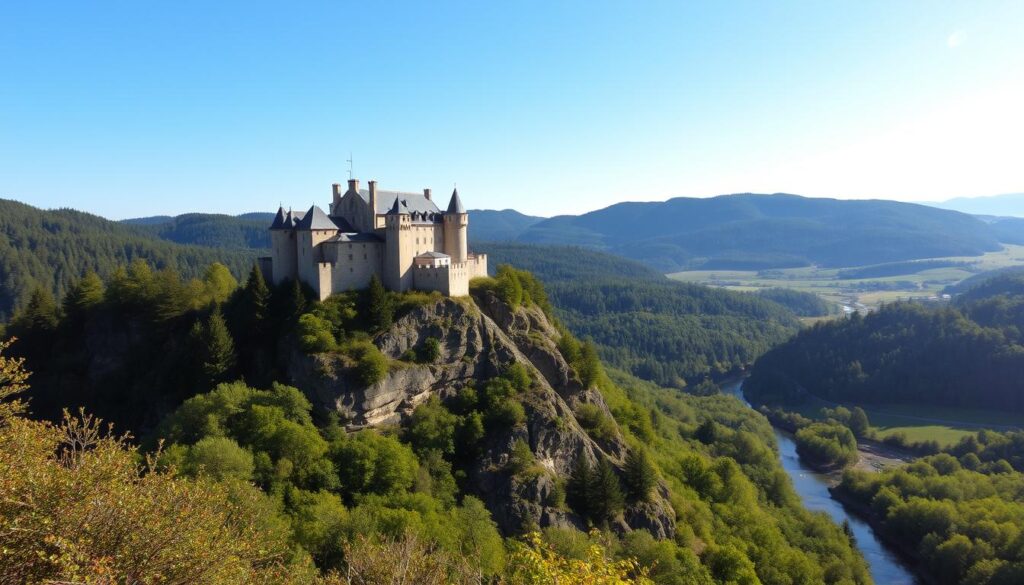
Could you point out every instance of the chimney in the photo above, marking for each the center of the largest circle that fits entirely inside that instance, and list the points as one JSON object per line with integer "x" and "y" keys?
{"x": 353, "y": 185}
{"x": 336, "y": 191}
{"x": 373, "y": 197}
{"x": 426, "y": 193}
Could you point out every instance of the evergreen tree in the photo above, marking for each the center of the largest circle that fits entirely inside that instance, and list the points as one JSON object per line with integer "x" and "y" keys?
{"x": 215, "y": 349}
{"x": 380, "y": 309}
{"x": 39, "y": 317}
{"x": 256, "y": 296}
{"x": 84, "y": 295}
{"x": 640, "y": 475}
{"x": 576, "y": 489}
{"x": 604, "y": 494}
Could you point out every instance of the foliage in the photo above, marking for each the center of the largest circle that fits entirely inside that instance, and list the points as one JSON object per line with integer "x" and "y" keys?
{"x": 371, "y": 364}
{"x": 51, "y": 249}
{"x": 655, "y": 328}
{"x": 75, "y": 507}
{"x": 430, "y": 351}
{"x": 826, "y": 445}
{"x": 13, "y": 379}
{"x": 380, "y": 307}
{"x": 803, "y": 304}
{"x": 963, "y": 525}
{"x": 905, "y": 353}
{"x": 640, "y": 476}
{"x": 534, "y": 561}
{"x": 214, "y": 349}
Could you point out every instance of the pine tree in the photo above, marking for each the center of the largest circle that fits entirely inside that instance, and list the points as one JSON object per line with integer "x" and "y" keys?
{"x": 604, "y": 494}
{"x": 640, "y": 475}
{"x": 257, "y": 295}
{"x": 215, "y": 349}
{"x": 40, "y": 314}
{"x": 379, "y": 307}
{"x": 84, "y": 295}
{"x": 576, "y": 489}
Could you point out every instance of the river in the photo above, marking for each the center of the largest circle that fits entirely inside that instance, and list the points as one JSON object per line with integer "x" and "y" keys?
{"x": 885, "y": 566}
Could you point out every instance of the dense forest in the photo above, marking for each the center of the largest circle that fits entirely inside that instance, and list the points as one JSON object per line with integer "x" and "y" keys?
{"x": 657, "y": 329}
{"x": 55, "y": 248}
{"x": 969, "y": 354}
{"x": 660, "y": 330}
{"x": 753, "y": 232}
{"x": 248, "y": 481}
{"x": 207, "y": 229}
{"x": 960, "y": 518}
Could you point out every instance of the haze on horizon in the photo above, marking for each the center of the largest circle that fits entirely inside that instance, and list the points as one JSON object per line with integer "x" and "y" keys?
{"x": 127, "y": 109}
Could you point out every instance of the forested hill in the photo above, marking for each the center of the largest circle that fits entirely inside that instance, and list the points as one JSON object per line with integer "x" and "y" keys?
{"x": 208, "y": 229}
{"x": 52, "y": 248}
{"x": 966, "y": 355}
{"x": 249, "y": 230}
{"x": 657, "y": 329}
{"x": 769, "y": 231}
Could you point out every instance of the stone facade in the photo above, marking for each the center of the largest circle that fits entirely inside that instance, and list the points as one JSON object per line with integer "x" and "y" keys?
{"x": 403, "y": 238}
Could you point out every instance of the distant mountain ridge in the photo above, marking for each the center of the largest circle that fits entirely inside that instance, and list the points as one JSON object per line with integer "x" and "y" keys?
{"x": 1006, "y": 204}
{"x": 751, "y": 231}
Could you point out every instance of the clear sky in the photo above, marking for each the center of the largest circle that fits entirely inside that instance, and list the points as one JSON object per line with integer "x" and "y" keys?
{"x": 143, "y": 108}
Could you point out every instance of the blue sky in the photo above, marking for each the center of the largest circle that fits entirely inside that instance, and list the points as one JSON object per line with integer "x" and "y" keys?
{"x": 141, "y": 108}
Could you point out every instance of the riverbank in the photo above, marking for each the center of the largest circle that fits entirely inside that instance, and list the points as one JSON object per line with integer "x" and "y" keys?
{"x": 886, "y": 566}
{"x": 906, "y": 554}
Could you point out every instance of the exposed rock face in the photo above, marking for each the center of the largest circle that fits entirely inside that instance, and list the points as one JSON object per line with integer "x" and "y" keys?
{"x": 478, "y": 341}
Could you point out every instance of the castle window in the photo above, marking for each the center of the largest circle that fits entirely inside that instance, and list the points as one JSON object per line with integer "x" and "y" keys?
{"x": 350, "y": 257}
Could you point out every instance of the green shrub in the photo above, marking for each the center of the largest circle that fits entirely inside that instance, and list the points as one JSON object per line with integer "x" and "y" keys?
{"x": 371, "y": 364}
{"x": 430, "y": 351}
{"x": 595, "y": 422}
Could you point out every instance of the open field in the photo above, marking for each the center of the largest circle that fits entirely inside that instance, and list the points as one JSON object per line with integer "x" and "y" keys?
{"x": 860, "y": 292}
{"x": 924, "y": 423}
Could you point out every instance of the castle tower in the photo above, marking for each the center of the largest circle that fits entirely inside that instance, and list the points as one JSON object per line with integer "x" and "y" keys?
{"x": 399, "y": 252}
{"x": 456, "y": 227}
{"x": 283, "y": 248}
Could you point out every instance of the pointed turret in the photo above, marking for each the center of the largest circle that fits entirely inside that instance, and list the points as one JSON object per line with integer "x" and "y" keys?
{"x": 455, "y": 205}
{"x": 278, "y": 223}
{"x": 316, "y": 219}
{"x": 398, "y": 208}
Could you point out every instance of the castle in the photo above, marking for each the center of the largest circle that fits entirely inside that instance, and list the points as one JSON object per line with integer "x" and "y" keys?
{"x": 403, "y": 238}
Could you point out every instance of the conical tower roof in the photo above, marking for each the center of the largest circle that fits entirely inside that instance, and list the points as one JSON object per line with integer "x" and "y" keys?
{"x": 455, "y": 205}
{"x": 278, "y": 223}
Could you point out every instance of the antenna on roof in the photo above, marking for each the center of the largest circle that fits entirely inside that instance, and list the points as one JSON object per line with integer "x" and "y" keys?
{"x": 350, "y": 165}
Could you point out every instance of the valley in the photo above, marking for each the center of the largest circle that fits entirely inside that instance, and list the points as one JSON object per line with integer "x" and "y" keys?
{"x": 835, "y": 285}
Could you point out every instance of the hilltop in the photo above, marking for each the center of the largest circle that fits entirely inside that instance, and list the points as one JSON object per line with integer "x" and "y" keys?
{"x": 749, "y": 231}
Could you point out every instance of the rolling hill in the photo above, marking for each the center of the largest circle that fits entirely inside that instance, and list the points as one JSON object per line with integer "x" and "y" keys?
{"x": 52, "y": 248}
{"x": 749, "y": 231}
{"x": 249, "y": 230}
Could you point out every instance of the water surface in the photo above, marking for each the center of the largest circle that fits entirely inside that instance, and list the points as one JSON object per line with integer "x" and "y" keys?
{"x": 885, "y": 566}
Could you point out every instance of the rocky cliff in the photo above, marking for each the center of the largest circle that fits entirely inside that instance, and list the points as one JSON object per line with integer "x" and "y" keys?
{"x": 479, "y": 338}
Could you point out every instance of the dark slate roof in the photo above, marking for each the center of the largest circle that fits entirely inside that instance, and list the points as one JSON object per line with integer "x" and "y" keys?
{"x": 278, "y": 223}
{"x": 292, "y": 219}
{"x": 455, "y": 205}
{"x": 364, "y": 237}
{"x": 413, "y": 201}
{"x": 397, "y": 208}
{"x": 316, "y": 219}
